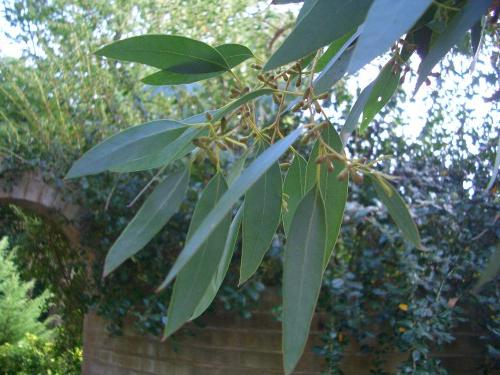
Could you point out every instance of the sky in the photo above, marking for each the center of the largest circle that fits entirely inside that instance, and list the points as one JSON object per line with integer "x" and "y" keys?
{"x": 414, "y": 107}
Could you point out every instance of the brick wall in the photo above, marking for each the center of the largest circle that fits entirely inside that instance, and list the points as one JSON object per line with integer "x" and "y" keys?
{"x": 224, "y": 344}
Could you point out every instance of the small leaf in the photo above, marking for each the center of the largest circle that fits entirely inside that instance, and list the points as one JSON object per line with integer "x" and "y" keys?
{"x": 233, "y": 54}
{"x": 164, "y": 154}
{"x": 249, "y": 176}
{"x": 236, "y": 168}
{"x": 218, "y": 278}
{"x": 357, "y": 109}
{"x": 261, "y": 217}
{"x": 333, "y": 49}
{"x": 319, "y": 23}
{"x": 396, "y": 208}
{"x": 158, "y": 208}
{"x": 386, "y": 21}
{"x": 451, "y": 35}
{"x": 383, "y": 89}
{"x": 235, "y": 104}
{"x": 333, "y": 191}
{"x": 126, "y": 146}
{"x": 175, "y": 53}
{"x": 490, "y": 271}
{"x": 294, "y": 189}
{"x": 302, "y": 273}
{"x": 336, "y": 67}
{"x": 193, "y": 280}
{"x": 496, "y": 167}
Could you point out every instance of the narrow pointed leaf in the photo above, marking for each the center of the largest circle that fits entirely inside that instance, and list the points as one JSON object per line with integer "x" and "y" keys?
{"x": 397, "y": 209}
{"x": 294, "y": 189}
{"x": 193, "y": 280}
{"x": 176, "y": 53}
{"x": 332, "y": 50}
{"x": 233, "y": 54}
{"x": 127, "y": 145}
{"x": 319, "y": 23}
{"x": 337, "y": 66}
{"x": 158, "y": 208}
{"x": 249, "y": 176}
{"x": 222, "y": 268}
{"x": 496, "y": 167}
{"x": 235, "y": 104}
{"x": 236, "y": 168}
{"x": 164, "y": 154}
{"x": 382, "y": 91}
{"x": 302, "y": 273}
{"x": 352, "y": 120}
{"x": 451, "y": 35}
{"x": 333, "y": 191}
{"x": 261, "y": 217}
{"x": 386, "y": 21}
{"x": 491, "y": 270}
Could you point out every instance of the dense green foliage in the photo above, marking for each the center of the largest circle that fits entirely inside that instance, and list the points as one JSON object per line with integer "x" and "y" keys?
{"x": 33, "y": 355}
{"x": 19, "y": 312}
{"x": 371, "y": 264}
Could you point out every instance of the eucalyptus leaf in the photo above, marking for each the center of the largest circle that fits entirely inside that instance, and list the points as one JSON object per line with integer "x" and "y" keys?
{"x": 233, "y": 54}
{"x": 294, "y": 189}
{"x": 175, "y": 53}
{"x": 397, "y": 209}
{"x": 218, "y": 278}
{"x": 337, "y": 66}
{"x": 261, "y": 217}
{"x": 386, "y": 21}
{"x": 333, "y": 190}
{"x": 319, "y": 23}
{"x": 451, "y": 35}
{"x": 302, "y": 274}
{"x": 333, "y": 49}
{"x": 158, "y": 208}
{"x": 247, "y": 178}
{"x": 192, "y": 281}
{"x": 357, "y": 109}
{"x": 126, "y": 146}
{"x": 382, "y": 91}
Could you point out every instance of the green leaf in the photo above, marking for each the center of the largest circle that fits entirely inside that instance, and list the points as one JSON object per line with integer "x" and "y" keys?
{"x": 158, "y": 208}
{"x": 294, "y": 189}
{"x": 126, "y": 146}
{"x": 235, "y": 104}
{"x": 490, "y": 271}
{"x": 249, "y": 176}
{"x": 383, "y": 89}
{"x": 386, "y": 21}
{"x": 164, "y": 154}
{"x": 175, "y": 53}
{"x": 451, "y": 35}
{"x": 336, "y": 67}
{"x": 261, "y": 217}
{"x": 396, "y": 208}
{"x": 237, "y": 167}
{"x": 233, "y": 54}
{"x": 319, "y": 23}
{"x": 333, "y": 191}
{"x": 357, "y": 109}
{"x": 193, "y": 280}
{"x": 302, "y": 273}
{"x": 496, "y": 167}
{"x": 222, "y": 268}
{"x": 332, "y": 50}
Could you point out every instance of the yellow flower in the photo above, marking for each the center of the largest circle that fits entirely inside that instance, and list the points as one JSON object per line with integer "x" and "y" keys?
{"x": 403, "y": 306}
{"x": 402, "y": 330}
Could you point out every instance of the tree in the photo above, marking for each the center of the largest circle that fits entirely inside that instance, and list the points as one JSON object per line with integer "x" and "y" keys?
{"x": 19, "y": 312}
{"x": 314, "y": 190}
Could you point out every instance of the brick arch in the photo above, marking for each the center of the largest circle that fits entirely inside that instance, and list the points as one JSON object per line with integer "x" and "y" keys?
{"x": 31, "y": 192}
